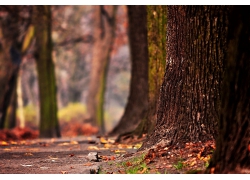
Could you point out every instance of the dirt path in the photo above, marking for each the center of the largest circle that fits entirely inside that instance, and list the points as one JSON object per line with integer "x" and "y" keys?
{"x": 54, "y": 156}
{"x": 91, "y": 155}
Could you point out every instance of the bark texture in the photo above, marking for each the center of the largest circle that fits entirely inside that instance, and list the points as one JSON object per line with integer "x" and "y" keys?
{"x": 49, "y": 125}
{"x": 104, "y": 25}
{"x": 232, "y": 154}
{"x": 156, "y": 24}
{"x": 190, "y": 97}
{"x": 137, "y": 104}
{"x": 10, "y": 56}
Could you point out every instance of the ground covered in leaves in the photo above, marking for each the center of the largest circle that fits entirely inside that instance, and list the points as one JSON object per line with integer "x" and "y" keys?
{"x": 113, "y": 157}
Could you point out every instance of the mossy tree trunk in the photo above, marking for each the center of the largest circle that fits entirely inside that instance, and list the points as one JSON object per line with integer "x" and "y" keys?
{"x": 104, "y": 29}
{"x": 137, "y": 104}
{"x": 49, "y": 125}
{"x": 157, "y": 23}
{"x": 190, "y": 93}
{"x": 232, "y": 153}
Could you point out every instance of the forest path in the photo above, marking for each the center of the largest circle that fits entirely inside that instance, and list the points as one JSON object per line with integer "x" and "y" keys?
{"x": 100, "y": 155}
{"x": 59, "y": 155}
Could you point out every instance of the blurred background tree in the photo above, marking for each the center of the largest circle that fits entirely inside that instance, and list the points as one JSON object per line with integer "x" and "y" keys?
{"x": 72, "y": 33}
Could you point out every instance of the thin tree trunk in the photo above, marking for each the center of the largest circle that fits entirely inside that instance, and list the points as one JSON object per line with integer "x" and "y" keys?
{"x": 49, "y": 125}
{"x": 104, "y": 24}
{"x": 189, "y": 99}
{"x": 137, "y": 104}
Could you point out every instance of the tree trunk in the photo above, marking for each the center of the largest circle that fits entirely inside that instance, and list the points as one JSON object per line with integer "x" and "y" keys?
{"x": 104, "y": 25}
{"x": 156, "y": 22}
{"x": 232, "y": 154}
{"x": 190, "y": 97}
{"x": 137, "y": 104}
{"x": 10, "y": 56}
{"x": 49, "y": 126}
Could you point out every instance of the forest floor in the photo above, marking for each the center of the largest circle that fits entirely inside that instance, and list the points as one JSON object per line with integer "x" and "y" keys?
{"x": 22, "y": 152}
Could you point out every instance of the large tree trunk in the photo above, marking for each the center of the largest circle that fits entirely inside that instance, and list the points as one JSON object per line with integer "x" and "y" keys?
{"x": 232, "y": 154}
{"x": 137, "y": 104}
{"x": 190, "y": 97}
{"x": 104, "y": 25}
{"x": 49, "y": 126}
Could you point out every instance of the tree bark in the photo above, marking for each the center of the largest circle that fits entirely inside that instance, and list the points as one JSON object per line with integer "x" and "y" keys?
{"x": 232, "y": 154}
{"x": 104, "y": 25}
{"x": 190, "y": 93}
{"x": 137, "y": 104}
{"x": 10, "y": 56}
{"x": 49, "y": 125}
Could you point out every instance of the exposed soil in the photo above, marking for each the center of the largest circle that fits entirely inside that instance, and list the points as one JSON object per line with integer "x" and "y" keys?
{"x": 22, "y": 152}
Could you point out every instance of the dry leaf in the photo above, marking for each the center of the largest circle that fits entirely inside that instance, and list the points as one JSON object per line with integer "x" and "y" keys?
{"x": 128, "y": 163}
{"x": 4, "y": 143}
{"x": 93, "y": 148}
{"x": 103, "y": 140}
{"x": 71, "y": 155}
{"x": 64, "y": 172}
{"x": 28, "y": 154}
{"x": 74, "y": 142}
{"x": 88, "y": 164}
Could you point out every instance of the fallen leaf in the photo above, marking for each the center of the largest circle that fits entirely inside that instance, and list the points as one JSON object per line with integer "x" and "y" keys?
{"x": 74, "y": 142}
{"x": 4, "y": 143}
{"x": 64, "y": 144}
{"x": 119, "y": 151}
{"x": 93, "y": 148}
{"x": 168, "y": 166}
{"x": 28, "y": 154}
{"x": 13, "y": 142}
{"x": 122, "y": 172}
{"x": 71, "y": 155}
{"x": 103, "y": 140}
{"x": 88, "y": 164}
{"x": 212, "y": 170}
{"x": 128, "y": 163}
{"x": 64, "y": 172}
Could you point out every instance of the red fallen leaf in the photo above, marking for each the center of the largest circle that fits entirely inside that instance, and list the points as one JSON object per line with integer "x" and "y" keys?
{"x": 128, "y": 164}
{"x": 71, "y": 155}
{"x": 212, "y": 170}
{"x": 122, "y": 172}
{"x": 112, "y": 158}
{"x": 64, "y": 172}
{"x": 249, "y": 147}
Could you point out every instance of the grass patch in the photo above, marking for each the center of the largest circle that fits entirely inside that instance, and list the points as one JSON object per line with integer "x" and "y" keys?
{"x": 72, "y": 111}
{"x": 179, "y": 165}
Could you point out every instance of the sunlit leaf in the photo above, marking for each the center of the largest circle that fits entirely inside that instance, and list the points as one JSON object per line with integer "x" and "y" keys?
{"x": 103, "y": 140}
{"x": 74, "y": 142}
{"x": 93, "y": 148}
{"x": 88, "y": 164}
{"x": 4, "y": 143}
{"x": 13, "y": 142}
{"x": 28, "y": 154}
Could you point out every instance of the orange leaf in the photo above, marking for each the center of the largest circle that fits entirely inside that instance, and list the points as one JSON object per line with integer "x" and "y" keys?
{"x": 64, "y": 172}
{"x": 128, "y": 164}
{"x": 88, "y": 164}
{"x": 4, "y": 143}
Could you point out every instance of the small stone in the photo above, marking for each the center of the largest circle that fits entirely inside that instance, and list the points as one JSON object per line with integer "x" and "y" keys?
{"x": 93, "y": 156}
{"x": 94, "y": 170}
